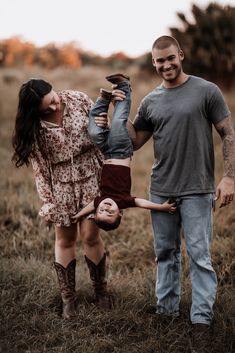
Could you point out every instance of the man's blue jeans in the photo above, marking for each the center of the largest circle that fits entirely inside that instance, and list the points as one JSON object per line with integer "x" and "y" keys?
{"x": 113, "y": 142}
{"x": 194, "y": 215}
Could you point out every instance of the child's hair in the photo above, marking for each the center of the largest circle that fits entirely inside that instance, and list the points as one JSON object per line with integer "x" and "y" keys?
{"x": 109, "y": 226}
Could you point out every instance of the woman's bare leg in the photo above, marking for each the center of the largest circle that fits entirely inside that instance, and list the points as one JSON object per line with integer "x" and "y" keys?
{"x": 92, "y": 242}
{"x": 65, "y": 244}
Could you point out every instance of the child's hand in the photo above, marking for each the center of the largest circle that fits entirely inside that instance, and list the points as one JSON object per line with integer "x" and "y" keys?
{"x": 76, "y": 218}
{"x": 169, "y": 207}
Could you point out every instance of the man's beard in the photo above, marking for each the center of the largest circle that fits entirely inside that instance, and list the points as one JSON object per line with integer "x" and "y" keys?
{"x": 177, "y": 72}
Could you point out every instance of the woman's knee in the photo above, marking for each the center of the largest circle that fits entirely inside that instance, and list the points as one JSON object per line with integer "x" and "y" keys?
{"x": 90, "y": 239}
{"x": 66, "y": 237}
{"x": 89, "y": 234}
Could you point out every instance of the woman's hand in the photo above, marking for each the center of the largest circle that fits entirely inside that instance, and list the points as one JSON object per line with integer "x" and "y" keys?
{"x": 49, "y": 224}
{"x": 102, "y": 120}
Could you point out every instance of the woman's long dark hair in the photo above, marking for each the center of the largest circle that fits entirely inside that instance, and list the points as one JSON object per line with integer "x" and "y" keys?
{"x": 27, "y": 123}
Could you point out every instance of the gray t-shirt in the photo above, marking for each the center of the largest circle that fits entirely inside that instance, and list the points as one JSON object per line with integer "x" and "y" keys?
{"x": 181, "y": 121}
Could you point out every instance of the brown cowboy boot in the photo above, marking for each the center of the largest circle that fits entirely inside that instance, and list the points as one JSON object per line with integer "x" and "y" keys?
{"x": 105, "y": 94}
{"x": 66, "y": 279}
{"x": 117, "y": 78}
{"x": 97, "y": 274}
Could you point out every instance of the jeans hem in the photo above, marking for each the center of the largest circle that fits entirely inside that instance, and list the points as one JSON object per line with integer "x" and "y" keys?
{"x": 117, "y": 156}
{"x": 162, "y": 311}
{"x": 201, "y": 322}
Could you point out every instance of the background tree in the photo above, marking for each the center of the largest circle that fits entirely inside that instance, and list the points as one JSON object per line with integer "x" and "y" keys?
{"x": 209, "y": 42}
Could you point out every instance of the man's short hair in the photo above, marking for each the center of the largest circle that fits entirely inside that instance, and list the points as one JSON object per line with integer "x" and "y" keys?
{"x": 164, "y": 42}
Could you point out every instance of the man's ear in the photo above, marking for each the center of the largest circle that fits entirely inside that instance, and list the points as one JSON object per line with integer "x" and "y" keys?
{"x": 121, "y": 213}
{"x": 181, "y": 54}
{"x": 153, "y": 62}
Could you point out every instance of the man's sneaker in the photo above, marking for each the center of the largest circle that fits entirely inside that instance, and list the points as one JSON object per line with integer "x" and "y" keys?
{"x": 200, "y": 329}
{"x": 117, "y": 78}
{"x": 201, "y": 338}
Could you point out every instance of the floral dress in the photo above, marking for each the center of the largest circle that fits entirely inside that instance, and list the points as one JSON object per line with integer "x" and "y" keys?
{"x": 67, "y": 174}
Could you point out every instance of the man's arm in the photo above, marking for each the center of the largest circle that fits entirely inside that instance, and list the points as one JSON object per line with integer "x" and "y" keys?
{"x": 138, "y": 137}
{"x": 225, "y": 189}
{"x": 149, "y": 205}
{"x": 84, "y": 212}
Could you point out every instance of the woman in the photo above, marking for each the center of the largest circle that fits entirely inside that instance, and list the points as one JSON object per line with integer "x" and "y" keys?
{"x": 51, "y": 133}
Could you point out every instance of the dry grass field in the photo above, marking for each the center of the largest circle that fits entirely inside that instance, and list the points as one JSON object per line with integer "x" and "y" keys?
{"x": 30, "y": 321}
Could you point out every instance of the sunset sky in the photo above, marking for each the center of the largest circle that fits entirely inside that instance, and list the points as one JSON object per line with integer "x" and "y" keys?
{"x": 103, "y": 26}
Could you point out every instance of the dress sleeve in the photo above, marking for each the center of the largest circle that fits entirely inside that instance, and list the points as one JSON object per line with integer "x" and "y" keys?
{"x": 41, "y": 171}
{"x": 85, "y": 101}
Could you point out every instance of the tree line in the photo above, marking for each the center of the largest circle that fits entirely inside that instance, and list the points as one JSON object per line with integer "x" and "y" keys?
{"x": 15, "y": 52}
{"x": 208, "y": 42}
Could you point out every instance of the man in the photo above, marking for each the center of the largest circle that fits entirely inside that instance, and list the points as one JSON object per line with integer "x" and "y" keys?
{"x": 179, "y": 115}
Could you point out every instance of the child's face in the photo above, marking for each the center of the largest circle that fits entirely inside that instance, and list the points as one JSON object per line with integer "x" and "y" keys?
{"x": 107, "y": 211}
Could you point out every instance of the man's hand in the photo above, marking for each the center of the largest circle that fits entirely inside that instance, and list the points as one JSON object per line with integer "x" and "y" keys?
{"x": 225, "y": 191}
{"x": 117, "y": 95}
{"x": 102, "y": 120}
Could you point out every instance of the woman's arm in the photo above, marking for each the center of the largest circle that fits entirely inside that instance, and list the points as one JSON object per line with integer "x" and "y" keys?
{"x": 164, "y": 207}
{"x": 84, "y": 212}
{"x": 43, "y": 183}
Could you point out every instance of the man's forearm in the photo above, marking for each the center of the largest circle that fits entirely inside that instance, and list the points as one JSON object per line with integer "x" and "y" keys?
{"x": 229, "y": 156}
{"x": 228, "y": 148}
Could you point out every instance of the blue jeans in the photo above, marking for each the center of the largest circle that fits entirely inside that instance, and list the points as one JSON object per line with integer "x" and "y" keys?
{"x": 113, "y": 142}
{"x": 194, "y": 215}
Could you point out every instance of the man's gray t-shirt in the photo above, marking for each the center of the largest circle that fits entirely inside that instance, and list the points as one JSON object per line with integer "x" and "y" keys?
{"x": 181, "y": 121}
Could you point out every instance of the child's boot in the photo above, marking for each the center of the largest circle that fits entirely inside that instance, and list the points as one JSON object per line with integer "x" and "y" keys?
{"x": 105, "y": 94}
{"x": 117, "y": 78}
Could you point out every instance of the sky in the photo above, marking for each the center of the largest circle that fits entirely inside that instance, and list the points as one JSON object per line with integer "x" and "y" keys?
{"x": 100, "y": 26}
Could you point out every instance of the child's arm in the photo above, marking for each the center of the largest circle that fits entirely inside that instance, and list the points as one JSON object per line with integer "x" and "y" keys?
{"x": 164, "y": 207}
{"x": 84, "y": 212}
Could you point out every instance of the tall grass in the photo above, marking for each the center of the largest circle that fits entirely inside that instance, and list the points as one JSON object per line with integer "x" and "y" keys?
{"x": 30, "y": 303}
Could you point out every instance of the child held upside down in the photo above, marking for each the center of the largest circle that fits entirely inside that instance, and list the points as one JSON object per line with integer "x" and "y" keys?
{"x": 117, "y": 148}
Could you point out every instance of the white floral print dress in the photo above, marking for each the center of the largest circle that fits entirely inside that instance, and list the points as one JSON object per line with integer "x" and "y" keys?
{"x": 67, "y": 174}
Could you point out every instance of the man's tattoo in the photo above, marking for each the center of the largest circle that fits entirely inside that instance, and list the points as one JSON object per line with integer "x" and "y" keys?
{"x": 226, "y": 131}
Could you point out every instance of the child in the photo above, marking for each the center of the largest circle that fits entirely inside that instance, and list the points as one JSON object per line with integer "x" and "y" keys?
{"x": 117, "y": 148}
